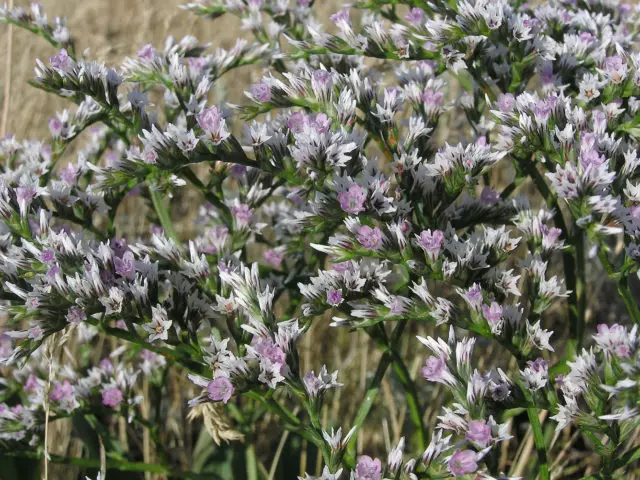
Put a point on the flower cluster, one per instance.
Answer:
(404, 170)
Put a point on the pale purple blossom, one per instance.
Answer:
(463, 462)
(368, 468)
(352, 200)
(112, 397)
(370, 238)
(220, 389)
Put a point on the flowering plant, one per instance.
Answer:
(443, 179)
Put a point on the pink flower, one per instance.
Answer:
(214, 124)
(55, 127)
(414, 16)
(334, 297)
(431, 242)
(434, 369)
(297, 122)
(111, 397)
(243, 213)
(273, 257)
(493, 313)
(615, 340)
(479, 432)
(370, 238)
(147, 52)
(368, 468)
(352, 200)
(61, 61)
(31, 385)
(463, 462)
(61, 391)
(220, 389)
(47, 256)
(341, 17)
(260, 92)
(506, 102)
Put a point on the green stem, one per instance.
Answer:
(415, 411)
(538, 436)
(621, 282)
(365, 406)
(163, 214)
(252, 462)
(581, 286)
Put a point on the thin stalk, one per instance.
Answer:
(623, 286)
(163, 214)
(365, 406)
(581, 286)
(413, 404)
(538, 437)
(372, 392)
(252, 462)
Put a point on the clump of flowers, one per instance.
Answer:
(446, 180)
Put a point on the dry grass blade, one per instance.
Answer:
(215, 421)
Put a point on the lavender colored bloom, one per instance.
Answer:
(61, 61)
(479, 432)
(352, 200)
(112, 397)
(591, 158)
(242, 213)
(434, 369)
(431, 242)
(322, 123)
(368, 468)
(31, 385)
(321, 79)
(47, 256)
(341, 267)
(550, 237)
(493, 313)
(463, 462)
(341, 17)
(214, 124)
(75, 315)
(69, 174)
(273, 257)
(297, 121)
(370, 238)
(506, 102)
(473, 296)
(260, 92)
(220, 389)
(55, 127)
(414, 16)
(147, 52)
(119, 246)
(432, 100)
(334, 297)
(62, 391)
(125, 265)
